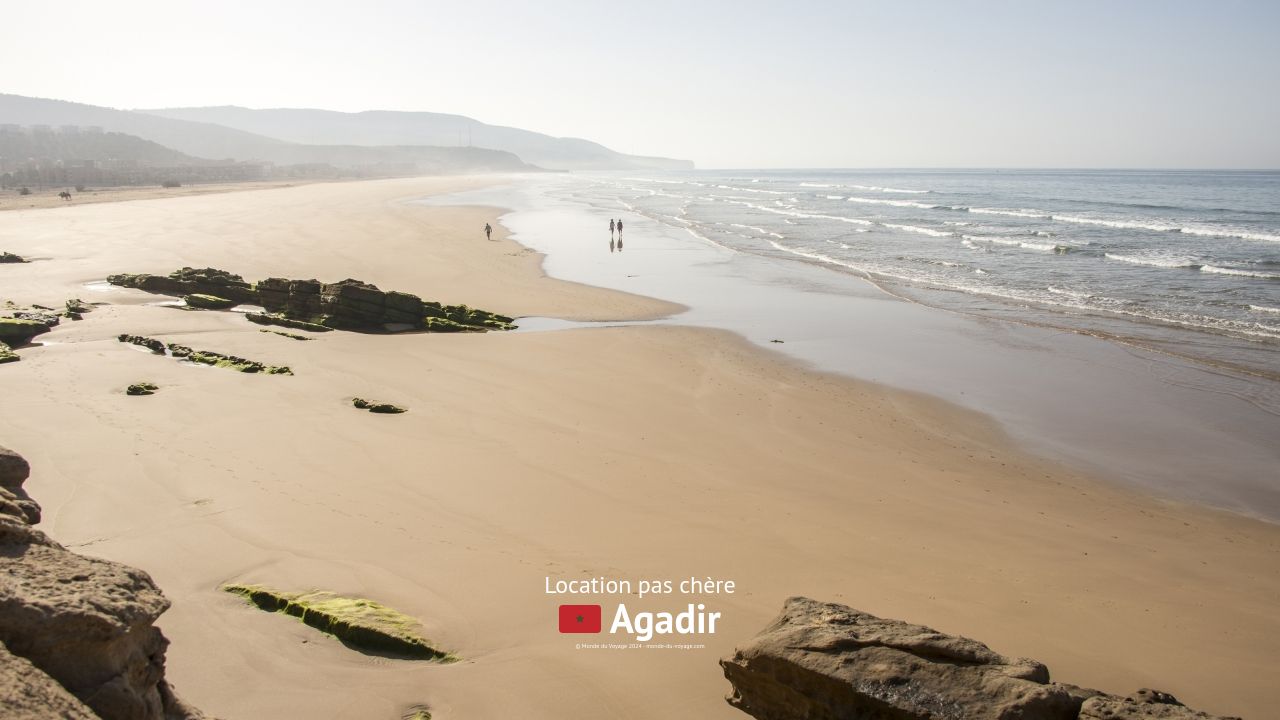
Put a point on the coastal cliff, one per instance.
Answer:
(77, 634)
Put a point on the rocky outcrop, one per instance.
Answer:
(355, 305)
(823, 661)
(8, 257)
(142, 388)
(231, 362)
(359, 623)
(312, 305)
(14, 501)
(377, 407)
(151, 344)
(191, 281)
(208, 302)
(19, 331)
(7, 355)
(1146, 704)
(85, 623)
(291, 336)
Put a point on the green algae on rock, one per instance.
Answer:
(206, 357)
(7, 355)
(281, 333)
(358, 623)
(17, 331)
(142, 388)
(282, 321)
(377, 407)
(8, 257)
(151, 344)
(208, 302)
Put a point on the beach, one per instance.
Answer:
(650, 451)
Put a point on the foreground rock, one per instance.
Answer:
(7, 355)
(14, 501)
(8, 257)
(231, 362)
(822, 661)
(313, 305)
(142, 388)
(83, 623)
(361, 624)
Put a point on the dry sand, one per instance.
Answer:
(48, 197)
(637, 452)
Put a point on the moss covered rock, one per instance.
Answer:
(358, 623)
(378, 407)
(151, 344)
(281, 333)
(16, 331)
(8, 257)
(142, 388)
(7, 355)
(208, 302)
(270, 319)
(231, 362)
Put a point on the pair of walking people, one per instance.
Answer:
(615, 225)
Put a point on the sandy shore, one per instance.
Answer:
(638, 452)
(48, 197)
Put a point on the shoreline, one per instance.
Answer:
(1169, 426)
(633, 451)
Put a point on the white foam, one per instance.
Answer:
(1239, 273)
(917, 229)
(817, 185)
(1156, 259)
(889, 189)
(835, 197)
(1002, 211)
(895, 203)
(1264, 309)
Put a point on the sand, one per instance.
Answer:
(634, 452)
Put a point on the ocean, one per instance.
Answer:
(1177, 261)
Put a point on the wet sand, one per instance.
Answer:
(631, 452)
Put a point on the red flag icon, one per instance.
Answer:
(579, 618)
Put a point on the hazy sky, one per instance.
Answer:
(728, 84)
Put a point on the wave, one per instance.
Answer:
(1239, 273)
(754, 228)
(1015, 242)
(796, 213)
(817, 185)
(1160, 260)
(1001, 211)
(889, 189)
(1264, 309)
(834, 197)
(895, 203)
(752, 190)
(918, 229)
(1242, 234)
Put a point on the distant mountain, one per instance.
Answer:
(63, 146)
(211, 141)
(381, 127)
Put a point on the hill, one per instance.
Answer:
(381, 127)
(212, 141)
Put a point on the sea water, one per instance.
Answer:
(1186, 262)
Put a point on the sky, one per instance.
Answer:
(746, 84)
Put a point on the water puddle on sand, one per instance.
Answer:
(547, 324)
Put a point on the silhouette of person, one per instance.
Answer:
(488, 231)
(619, 228)
(610, 228)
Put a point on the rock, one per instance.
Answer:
(14, 469)
(15, 503)
(377, 407)
(291, 336)
(1146, 704)
(87, 623)
(266, 319)
(7, 355)
(151, 344)
(208, 302)
(26, 693)
(78, 306)
(189, 281)
(206, 357)
(417, 712)
(49, 319)
(361, 624)
(822, 661)
(8, 257)
(142, 388)
(15, 332)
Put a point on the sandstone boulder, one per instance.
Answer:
(188, 281)
(26, 693)
(822, 661)
(208, 302)
(17, 331)
(14, 469)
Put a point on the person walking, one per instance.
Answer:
(611, 228)
(488, 231)
(619, 228)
